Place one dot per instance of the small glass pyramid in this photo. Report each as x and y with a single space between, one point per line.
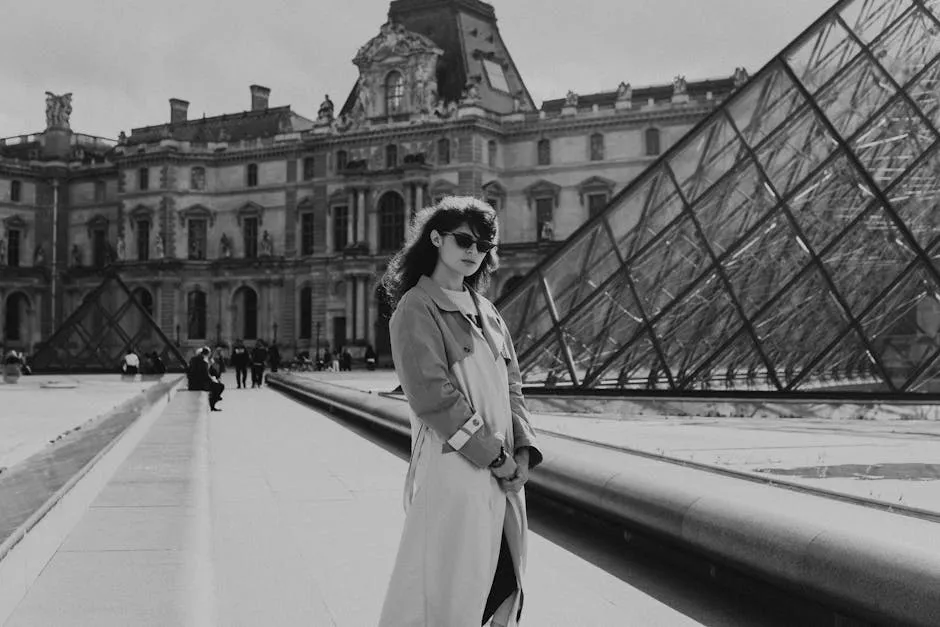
95 338
787 243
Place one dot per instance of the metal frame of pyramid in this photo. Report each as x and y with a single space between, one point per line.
93 339
785 245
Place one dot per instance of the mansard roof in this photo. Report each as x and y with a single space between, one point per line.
228 127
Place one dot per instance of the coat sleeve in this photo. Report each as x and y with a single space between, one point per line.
421 365
522 432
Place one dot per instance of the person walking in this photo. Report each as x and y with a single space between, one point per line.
462 555
274 357
240 361
370 357
258 356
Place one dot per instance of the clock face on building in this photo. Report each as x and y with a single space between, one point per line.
496 76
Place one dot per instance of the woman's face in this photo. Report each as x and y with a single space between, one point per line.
459 260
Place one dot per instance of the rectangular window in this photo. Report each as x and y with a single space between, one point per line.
143 240
596 203
545 152
197 239
306 233
99 248
250 233
306 313
597 147
16 191
491 153
544 211
252 175
340 227
308 168
99 191
342 158
391 156
13 248
196 315
496 75
143 179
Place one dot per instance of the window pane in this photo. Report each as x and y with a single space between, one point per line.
197 239
544 213
308 168
13 248
143 240
443 151
306 234
340 227
306 313
250 233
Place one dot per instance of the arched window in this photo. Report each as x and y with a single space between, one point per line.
391 222
17 306
545 152
394 93
597 147
443 151
306 313
246 313
16 191
391 156
196 315
252 175
652 141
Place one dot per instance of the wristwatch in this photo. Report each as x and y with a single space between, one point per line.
500 460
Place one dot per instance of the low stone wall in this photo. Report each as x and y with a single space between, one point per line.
867 563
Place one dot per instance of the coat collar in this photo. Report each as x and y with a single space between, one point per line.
442 300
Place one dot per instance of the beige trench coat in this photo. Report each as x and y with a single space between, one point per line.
464 389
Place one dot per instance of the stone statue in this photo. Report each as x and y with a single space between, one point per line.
571 99
76 256
226 246
122 138
39 256
740 76
679 86
121 248
624 92
325 114
58 110
548 231
516 104
267 245
158 247
471 94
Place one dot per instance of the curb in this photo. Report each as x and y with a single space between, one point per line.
866 563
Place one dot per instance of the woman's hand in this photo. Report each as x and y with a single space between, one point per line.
506 471
515 483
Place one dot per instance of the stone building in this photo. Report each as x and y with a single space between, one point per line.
268 224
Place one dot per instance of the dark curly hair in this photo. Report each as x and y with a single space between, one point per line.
419 256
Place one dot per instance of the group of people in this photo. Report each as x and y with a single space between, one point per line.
204 373
255 359
152 363
342 360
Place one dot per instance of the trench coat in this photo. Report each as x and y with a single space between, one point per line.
465 392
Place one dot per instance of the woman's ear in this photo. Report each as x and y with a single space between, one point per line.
435 238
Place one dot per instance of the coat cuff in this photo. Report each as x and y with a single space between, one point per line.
535 455
476 443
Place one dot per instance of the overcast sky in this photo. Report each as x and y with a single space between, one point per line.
123 59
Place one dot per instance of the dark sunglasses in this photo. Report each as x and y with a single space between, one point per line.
465 241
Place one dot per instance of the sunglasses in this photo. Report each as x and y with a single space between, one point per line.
466 241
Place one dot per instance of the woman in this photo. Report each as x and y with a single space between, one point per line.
463 548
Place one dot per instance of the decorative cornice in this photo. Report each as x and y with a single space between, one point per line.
195 212
250 209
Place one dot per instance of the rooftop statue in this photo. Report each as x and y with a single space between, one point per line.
58 110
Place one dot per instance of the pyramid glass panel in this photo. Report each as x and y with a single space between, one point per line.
790 242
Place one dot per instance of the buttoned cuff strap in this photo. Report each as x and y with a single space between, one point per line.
466 431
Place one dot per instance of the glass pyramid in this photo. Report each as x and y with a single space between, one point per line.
788 243
109 322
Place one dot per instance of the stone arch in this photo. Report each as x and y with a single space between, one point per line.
245 309
17 322
392 221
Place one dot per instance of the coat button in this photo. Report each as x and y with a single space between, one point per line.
476 422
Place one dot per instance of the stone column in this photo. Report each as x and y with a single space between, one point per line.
370 311
361 215
373 229
420 194
350 217
329 230
350 314
361 307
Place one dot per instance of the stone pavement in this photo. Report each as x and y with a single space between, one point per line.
271 513
888 460
40 408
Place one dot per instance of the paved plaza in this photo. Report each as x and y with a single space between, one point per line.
272 513
40 408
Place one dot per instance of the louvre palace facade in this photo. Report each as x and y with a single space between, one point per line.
270 224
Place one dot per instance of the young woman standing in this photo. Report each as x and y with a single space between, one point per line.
462 555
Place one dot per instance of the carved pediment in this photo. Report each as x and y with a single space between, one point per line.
96 222
141 212
305 203
250 209
16 222
339 197
542 189
394 40
593 185
494 188
197 212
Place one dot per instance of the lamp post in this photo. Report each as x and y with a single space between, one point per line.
177 335
275 332
317 356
